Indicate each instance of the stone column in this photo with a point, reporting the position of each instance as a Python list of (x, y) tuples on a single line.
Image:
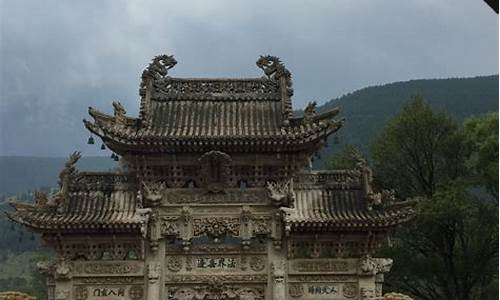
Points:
[(276, 249), (155, 256)]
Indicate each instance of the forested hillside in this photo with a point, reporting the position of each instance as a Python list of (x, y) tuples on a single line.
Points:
[(367, 110)]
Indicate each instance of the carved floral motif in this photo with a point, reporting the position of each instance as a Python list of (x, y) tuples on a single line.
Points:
[(350, 290), (174, 264), (216, 227), (257, 263), (296, 290), (215, 291)]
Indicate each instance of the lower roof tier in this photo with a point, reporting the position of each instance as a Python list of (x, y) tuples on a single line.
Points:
[(320, 201)]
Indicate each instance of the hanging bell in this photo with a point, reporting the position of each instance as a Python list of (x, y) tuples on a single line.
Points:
[(103, 147), (91, 140), (336, 139)]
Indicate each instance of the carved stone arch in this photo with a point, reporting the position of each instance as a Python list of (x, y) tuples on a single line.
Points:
[(215, 171)]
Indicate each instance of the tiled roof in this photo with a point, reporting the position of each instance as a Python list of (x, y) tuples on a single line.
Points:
[(324, 200), (341, 205), (95, 206), (202, 114)]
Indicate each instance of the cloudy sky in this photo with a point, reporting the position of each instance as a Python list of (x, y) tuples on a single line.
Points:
[(59, 57)]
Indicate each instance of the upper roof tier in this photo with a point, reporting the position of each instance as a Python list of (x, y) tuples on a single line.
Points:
[(203, 114)]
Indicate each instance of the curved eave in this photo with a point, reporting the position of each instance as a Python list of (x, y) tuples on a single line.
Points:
[(328, 115), (58, 223), (384, 220), (124, 138)]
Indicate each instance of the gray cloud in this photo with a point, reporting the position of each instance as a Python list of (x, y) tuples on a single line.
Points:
[(58, 57)]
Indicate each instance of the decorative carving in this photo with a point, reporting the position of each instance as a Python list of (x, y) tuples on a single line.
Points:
[(159, 67), (154, 231), (373, 266), (278, 275), (174, 264), (119, 112), (310, 112), (62, 294), (257, 263), (262, 225), (81, 293), (320, 265), (154, 271), (63, 269), (109, 280), (296, 290), (40, 198), (350, 290), (275, 70), (65, 176), (215, 170), (107, 268), (281, 192), (394, 296), (169, 227), (211, 89), (215, 290), (153, 192), (223, 278), (367, 293), (136, 292), (216, 227)]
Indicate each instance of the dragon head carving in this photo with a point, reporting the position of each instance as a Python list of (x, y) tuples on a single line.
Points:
[(280, 192), (153, 192), (159, 67), (119, 112), (275, 69)]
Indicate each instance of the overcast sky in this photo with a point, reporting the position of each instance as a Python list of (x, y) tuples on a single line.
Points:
[(59, 57)]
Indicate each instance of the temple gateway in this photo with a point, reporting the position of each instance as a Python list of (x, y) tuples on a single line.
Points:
[(215, 199)]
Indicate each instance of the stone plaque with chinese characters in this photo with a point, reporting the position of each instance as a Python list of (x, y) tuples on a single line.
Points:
[(109, 292), (323, 290), (215, 263)]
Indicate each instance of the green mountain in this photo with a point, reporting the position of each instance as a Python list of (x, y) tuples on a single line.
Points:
[(367, 110)]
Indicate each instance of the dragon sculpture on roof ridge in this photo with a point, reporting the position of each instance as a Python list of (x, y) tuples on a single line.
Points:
[(275, 69)]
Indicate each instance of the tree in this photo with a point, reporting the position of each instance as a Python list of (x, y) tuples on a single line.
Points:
[(418, 150), (482, 142), (344, 159), (450, 249)]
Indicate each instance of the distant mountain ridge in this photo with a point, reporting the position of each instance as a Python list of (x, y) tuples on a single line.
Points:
[(366, 112), (19, 174)]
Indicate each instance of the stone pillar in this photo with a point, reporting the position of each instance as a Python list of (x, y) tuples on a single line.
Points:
[(155, 256), (277, 279), (62, 290), (154, 275)]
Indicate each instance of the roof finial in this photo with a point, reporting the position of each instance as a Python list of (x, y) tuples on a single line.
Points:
[(159, 67), (275, 69)]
